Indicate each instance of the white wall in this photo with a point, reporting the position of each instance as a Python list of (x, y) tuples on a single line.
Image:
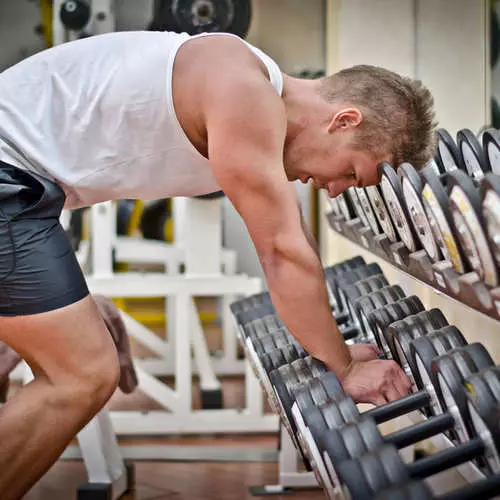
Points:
[(442, 42)]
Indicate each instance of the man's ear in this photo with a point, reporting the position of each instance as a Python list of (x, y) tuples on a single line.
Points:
[(345, 119)]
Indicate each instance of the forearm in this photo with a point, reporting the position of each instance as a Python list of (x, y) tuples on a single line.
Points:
[(299, 294)]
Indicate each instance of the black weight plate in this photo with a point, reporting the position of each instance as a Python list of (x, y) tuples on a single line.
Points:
[(372, 473), (414, 490), (381, 213), (199, 16), (447, 155), (472, 153), (75, 14), (351, 293), (491, 149), (467, 216), (315, 366), (302, 371), (483, 392), (413, 185), (490, 201), (392, 191), (437, 209), (264, 344), (450, 371), (383, 318)]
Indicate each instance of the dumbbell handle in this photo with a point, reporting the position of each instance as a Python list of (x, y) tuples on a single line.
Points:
[(399, 407), (349, 332), (447, 459), (418, 432), (482, 490)]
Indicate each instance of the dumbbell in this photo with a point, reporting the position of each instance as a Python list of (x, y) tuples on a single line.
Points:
[(412, 186), (401, 333), (379, 320), (491, 150), (345, 279), (418, 490), (358, 206), (362, 306), (374, 194), (368, 210), (474, 445), (447, 156), (392, 190), (471, 151), (439, 341), (314, 420), (482, 390), (436, 203), (490, 205), (466, 211), (250, 302), (372, 473)]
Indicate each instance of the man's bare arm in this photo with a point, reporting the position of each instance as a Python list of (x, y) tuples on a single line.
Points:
[(246, 126)]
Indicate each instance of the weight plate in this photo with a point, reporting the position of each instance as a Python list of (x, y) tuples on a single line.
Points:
[(437, 209), (433, 166), (484, 410), (447, 155), (368, 210), (346, 206), (467, 216), (412, 185), (472, 153), (451, 370), (394, 199), (358, 207), (491, 149), (414, 490), (490, 201), (380, 209)]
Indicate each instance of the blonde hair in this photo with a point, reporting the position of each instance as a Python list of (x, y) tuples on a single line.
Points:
[(398, 112)]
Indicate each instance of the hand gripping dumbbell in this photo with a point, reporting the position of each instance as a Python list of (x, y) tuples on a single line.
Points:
[(358, 437), (376, 471), (314, 422)]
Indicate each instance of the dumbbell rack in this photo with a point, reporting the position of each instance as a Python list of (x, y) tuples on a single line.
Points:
[(467, 288)]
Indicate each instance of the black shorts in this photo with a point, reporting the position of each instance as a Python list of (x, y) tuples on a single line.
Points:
[(38, 268)]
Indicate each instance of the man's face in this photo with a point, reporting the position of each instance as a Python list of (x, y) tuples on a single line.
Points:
[(338, 167), (325, 155)]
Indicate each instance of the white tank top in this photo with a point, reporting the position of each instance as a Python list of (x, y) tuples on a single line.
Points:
[(97, 117)]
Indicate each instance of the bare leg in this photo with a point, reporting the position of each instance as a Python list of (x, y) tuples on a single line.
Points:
[(76, 370)]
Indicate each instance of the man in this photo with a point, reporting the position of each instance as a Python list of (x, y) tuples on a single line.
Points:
[(153, 115)]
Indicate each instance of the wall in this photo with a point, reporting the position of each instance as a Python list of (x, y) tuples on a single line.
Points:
[(444, 44)]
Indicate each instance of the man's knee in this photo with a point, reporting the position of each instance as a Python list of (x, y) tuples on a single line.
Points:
[(99, 377)]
